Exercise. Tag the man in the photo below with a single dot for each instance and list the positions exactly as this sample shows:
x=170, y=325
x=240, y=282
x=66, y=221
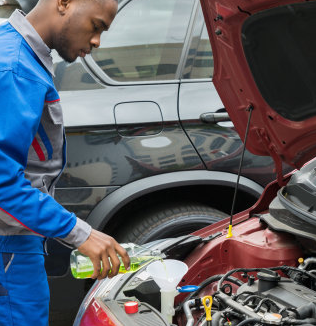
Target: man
x=32, y=153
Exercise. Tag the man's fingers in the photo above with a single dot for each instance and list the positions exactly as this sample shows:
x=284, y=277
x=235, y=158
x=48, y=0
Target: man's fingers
x=106, y=267
x=125, y=258
x=115, y=262
x=96, y=268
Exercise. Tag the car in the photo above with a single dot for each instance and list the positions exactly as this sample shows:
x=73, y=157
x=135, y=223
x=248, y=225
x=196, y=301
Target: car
x=256, y=267
x=152, y=152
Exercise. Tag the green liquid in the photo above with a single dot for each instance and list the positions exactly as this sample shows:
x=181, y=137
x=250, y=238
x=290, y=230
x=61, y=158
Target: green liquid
x=80, y=275
x=85, y=268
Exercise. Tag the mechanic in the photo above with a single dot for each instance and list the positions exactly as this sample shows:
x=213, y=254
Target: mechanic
x=32, y=153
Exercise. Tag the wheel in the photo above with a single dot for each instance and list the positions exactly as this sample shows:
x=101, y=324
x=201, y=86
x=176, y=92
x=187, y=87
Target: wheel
x=170, y=220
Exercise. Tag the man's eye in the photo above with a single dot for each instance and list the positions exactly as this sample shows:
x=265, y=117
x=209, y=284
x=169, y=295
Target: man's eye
x=95, y=27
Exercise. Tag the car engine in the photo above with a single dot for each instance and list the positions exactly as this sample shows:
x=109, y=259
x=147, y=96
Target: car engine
x=281, y=295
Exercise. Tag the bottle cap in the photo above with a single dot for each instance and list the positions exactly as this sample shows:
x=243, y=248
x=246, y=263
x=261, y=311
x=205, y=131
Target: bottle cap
x=131, y=307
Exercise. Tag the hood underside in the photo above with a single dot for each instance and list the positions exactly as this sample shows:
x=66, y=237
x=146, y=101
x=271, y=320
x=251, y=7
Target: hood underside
x=265, y=62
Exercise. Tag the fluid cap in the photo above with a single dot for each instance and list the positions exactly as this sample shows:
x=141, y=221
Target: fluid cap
x=273, y=319
x=131, y=307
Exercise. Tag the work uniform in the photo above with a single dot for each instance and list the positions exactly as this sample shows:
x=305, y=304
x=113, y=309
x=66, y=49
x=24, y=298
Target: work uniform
x=32, y=156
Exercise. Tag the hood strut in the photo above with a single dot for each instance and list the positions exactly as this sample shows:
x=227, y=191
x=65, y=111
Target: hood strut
x=229, y=234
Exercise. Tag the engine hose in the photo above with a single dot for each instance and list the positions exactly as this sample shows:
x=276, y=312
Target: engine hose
x=306, y=262
x=268, y=302
x=305, y=321
x=188, y=313
x=247, y=270
x=236, y=296
x=251, y=297
x=213, y=279
x=228, y=301
x=216, y=319
x=207, y=282
x=249, y=321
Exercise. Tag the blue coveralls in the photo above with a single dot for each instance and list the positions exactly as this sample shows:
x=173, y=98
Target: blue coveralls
x=32, y=156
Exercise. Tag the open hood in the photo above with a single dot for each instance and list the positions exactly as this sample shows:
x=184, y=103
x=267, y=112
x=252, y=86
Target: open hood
x=265, y=62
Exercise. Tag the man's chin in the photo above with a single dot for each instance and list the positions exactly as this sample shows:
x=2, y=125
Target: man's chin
x=69, y=60
x=67, y=57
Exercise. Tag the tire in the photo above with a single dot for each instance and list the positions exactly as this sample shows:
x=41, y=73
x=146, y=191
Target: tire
x=171, y=220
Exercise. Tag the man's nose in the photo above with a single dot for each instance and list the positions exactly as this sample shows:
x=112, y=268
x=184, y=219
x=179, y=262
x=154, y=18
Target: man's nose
x=95, y=41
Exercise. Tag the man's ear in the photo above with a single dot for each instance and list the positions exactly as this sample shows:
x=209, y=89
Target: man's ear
x=62, y=6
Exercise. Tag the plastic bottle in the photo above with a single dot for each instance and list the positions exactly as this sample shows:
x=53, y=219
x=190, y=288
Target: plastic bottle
x=82, y=267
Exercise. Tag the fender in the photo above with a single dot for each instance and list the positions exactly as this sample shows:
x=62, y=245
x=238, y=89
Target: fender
x=117, y=199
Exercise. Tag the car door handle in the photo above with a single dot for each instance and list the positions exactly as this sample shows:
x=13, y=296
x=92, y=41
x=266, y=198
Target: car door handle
x=210, y=117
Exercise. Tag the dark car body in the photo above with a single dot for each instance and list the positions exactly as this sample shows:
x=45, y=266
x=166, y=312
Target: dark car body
x=264, y=70
x=151, y=151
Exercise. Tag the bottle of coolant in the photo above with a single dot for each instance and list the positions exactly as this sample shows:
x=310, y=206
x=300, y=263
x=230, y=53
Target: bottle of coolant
x=82, y=267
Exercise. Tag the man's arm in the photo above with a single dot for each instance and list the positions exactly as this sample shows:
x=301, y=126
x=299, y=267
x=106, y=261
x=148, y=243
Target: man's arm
x=21, y=105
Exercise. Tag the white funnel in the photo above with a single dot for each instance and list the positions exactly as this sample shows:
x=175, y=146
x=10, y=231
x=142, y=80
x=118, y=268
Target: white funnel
x=167, y=274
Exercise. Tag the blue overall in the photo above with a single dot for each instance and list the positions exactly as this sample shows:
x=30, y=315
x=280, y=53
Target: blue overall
x=32, y=157
x=24, y=292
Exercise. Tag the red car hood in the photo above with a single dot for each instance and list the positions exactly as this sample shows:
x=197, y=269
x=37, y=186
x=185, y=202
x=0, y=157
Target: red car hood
x=265, y=60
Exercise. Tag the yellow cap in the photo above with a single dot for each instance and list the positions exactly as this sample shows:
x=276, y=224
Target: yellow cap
x=301, y=260
x=229, y=233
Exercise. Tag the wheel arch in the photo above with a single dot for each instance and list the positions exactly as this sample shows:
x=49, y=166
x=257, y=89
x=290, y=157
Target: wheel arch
x=115, y=202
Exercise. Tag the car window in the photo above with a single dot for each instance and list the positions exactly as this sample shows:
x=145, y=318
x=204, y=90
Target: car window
x=145, y=40
x=7, y=7
x=199, y=63
x=71, y=76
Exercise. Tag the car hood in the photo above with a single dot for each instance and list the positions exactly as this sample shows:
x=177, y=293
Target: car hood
x=265, y=63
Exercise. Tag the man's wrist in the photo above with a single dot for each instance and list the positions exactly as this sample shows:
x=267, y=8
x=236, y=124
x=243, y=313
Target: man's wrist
x=79, y=234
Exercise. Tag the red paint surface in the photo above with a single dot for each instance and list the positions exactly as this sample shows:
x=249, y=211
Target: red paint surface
x=238, y=90
x=253, y=245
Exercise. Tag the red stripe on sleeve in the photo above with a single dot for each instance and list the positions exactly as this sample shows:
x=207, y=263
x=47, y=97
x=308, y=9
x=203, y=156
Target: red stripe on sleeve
x=19, y=221
x=53, y=101
x=38, y=150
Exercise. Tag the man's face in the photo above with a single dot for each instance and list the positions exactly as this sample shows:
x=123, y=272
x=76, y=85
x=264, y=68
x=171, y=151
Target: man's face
x=83, y=23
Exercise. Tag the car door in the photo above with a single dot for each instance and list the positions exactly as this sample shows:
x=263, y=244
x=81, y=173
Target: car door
x=123, y=125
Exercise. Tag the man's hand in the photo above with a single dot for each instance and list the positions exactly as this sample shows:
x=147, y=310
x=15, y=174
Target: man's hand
x=100, y=247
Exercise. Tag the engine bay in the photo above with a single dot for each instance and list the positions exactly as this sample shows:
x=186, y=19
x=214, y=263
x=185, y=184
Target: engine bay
x=282, y=295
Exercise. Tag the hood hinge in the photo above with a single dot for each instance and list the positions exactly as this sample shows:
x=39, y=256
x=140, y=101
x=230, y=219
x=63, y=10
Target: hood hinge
x=273, y=153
